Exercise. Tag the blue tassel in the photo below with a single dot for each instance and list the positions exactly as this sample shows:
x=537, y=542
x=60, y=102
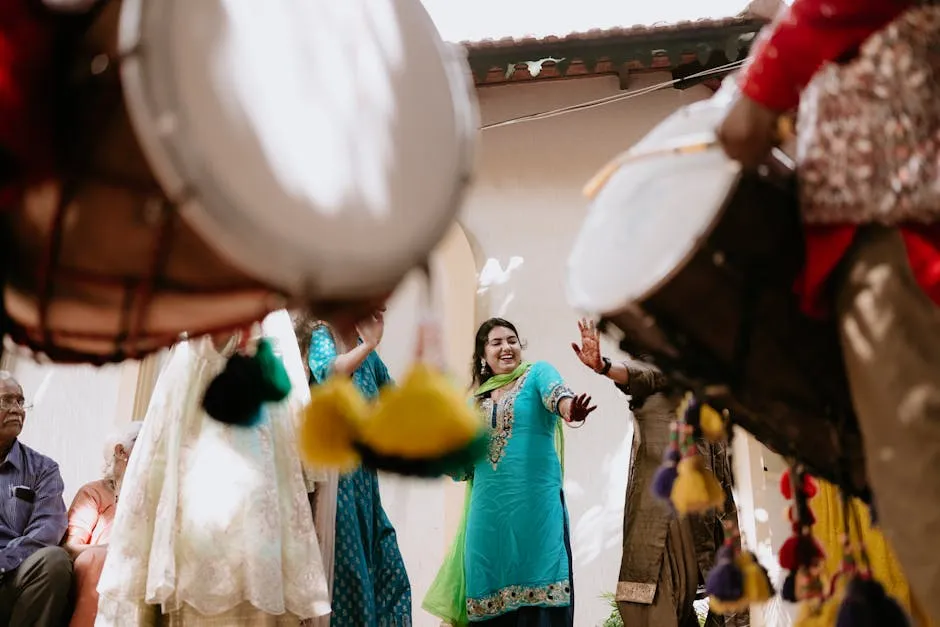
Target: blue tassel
x=666, y=475
x=789, y=588
x=725, y=581
x=866, y=604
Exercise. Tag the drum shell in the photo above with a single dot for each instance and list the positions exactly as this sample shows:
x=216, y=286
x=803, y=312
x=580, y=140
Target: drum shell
x=101, y=267
x=728, y=325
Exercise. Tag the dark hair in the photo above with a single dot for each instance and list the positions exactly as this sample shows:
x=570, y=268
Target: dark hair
x=304, y=325
x=480, y=374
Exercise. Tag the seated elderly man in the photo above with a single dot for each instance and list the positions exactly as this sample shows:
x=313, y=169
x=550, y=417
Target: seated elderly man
x=35, y=573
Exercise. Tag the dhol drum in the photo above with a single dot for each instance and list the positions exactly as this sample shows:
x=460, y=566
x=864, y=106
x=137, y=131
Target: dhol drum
x=694, y=262
x=221, y=159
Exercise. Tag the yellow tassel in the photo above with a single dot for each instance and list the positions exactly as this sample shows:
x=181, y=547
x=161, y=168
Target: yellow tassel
x=712, y=424
x=696, y=489
x=683, y=406
x=424, y=418
x=819, y=613
x=330, y=424
x=756, y=585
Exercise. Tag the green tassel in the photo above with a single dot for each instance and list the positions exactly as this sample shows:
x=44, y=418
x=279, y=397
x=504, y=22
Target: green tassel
x=236, y=395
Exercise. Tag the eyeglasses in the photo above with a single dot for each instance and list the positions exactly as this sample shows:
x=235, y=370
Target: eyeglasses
x=8, y=402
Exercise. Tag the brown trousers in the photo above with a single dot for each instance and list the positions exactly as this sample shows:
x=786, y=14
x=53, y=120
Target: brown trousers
x=675, y=591
x=890, y=333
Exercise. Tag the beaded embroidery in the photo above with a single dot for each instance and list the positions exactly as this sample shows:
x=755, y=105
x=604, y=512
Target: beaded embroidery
x=512, y=598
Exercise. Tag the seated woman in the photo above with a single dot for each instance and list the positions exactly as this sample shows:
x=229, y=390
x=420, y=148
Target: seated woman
x=90, y=518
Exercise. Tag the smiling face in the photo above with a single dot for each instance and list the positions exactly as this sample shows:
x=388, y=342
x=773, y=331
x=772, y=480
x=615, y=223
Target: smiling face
x=503, y=351
x=12, y=412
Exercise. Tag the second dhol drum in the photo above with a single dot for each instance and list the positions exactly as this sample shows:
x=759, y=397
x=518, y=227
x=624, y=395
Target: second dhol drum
x=693, y=261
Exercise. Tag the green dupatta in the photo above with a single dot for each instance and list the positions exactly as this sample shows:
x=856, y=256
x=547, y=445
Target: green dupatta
x=447, y=596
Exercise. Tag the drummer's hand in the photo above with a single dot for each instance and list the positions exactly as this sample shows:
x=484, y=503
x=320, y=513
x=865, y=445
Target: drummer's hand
x=579, y=409
x=748, y=132
x=590, y=350
x=372, y=328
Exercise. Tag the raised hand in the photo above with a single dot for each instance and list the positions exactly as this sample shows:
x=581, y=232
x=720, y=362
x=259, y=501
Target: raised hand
x=372, y=328
x=590, y=350
x=580, y=408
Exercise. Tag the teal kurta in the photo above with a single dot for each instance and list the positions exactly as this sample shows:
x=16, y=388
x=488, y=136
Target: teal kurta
x=516, y=553
x=370, y=586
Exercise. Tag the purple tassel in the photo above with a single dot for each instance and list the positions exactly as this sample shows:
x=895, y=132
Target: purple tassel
x=789, y=588
x=867, y=605
x=725, y=581
x=666, y=475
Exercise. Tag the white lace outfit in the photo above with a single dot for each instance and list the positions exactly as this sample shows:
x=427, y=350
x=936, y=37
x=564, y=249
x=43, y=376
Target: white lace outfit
x=214, y=526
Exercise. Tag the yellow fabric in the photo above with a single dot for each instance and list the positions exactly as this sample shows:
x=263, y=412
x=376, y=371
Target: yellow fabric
x=827, y=505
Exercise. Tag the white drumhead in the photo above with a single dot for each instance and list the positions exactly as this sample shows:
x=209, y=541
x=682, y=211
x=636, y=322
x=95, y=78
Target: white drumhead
x=324, y=145
x=645, y=223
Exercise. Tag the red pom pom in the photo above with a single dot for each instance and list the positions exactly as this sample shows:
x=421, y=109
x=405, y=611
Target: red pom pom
x=785, y=488
x=799, y=551
x=810, y=487
x=787, y=555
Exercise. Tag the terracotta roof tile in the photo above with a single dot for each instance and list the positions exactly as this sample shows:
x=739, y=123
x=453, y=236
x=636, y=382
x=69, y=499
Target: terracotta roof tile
x=618, y=32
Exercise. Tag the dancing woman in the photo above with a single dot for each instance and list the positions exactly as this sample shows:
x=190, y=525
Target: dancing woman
x=370, y=586
x=515, y=548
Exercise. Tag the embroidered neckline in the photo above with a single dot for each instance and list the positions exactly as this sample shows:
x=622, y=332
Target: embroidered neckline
x=511, y=598
x=501, y=432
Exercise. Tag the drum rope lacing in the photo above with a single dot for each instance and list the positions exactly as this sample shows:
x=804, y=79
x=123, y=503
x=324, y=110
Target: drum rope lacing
x=542, y=115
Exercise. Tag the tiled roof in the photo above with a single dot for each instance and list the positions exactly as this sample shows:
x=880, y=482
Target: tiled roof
x=661, y=29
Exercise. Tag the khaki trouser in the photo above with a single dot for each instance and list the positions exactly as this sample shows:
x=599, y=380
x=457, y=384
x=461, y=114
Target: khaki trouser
x=890, y=333
x=675, y=591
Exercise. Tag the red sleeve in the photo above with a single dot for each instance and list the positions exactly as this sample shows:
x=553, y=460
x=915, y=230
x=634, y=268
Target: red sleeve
x=27, y=37
x=804, y=37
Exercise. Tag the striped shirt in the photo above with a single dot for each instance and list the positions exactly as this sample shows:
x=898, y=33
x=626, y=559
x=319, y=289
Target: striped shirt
x=32, y=512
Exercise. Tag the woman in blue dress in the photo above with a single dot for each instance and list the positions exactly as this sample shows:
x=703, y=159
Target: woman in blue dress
x=370, y=585
x=517, y=549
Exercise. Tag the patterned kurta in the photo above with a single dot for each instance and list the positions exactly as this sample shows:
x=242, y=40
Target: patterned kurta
x=370, y=585
x=787, y=55
x=517, y=554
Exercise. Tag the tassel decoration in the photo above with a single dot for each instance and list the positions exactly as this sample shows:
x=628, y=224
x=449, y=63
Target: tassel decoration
x=237, y=394
x=665, y=477
x=757, y=585
x=801, y=549
x=725, y=582
x=866, y=604
x=712, y=424
x=738, y=580
x=809, y=487
x=330, y=427
x=422, y=428
x=696, y=489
